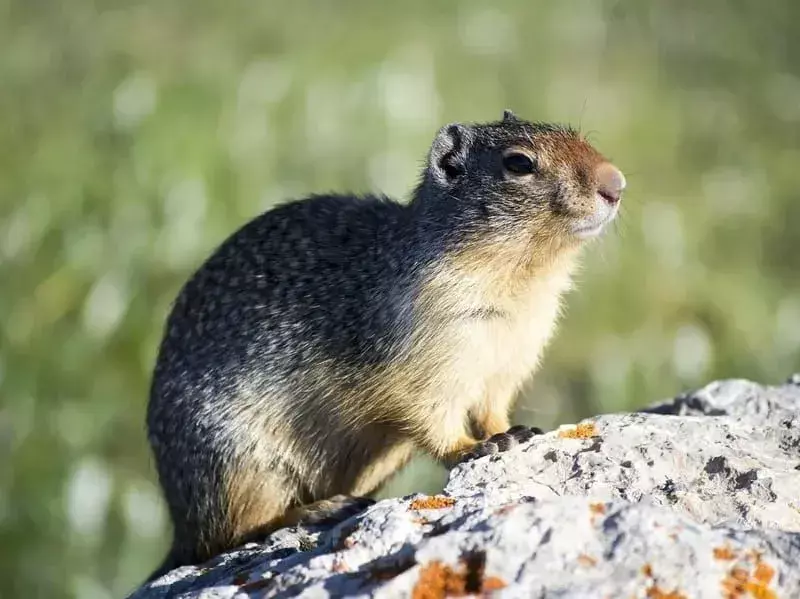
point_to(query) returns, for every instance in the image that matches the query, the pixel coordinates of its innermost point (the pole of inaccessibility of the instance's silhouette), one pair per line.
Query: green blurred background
(134, 136)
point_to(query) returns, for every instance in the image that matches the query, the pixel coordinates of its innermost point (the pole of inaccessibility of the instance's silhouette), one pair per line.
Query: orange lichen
(733, 583)
(586, 560)
(656, 593)
(764, 573)
(492, 583)
(760, 591)
(585, 430)
(724, 553)
(435, 502)
(438, 580)
(739, 582)
(597, 508)
(758, 586)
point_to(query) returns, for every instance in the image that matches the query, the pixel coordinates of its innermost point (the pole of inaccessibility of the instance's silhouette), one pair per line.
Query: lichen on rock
(696, 497)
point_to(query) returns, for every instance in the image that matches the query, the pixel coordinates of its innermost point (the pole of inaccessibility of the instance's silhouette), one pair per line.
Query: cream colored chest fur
(495, 355)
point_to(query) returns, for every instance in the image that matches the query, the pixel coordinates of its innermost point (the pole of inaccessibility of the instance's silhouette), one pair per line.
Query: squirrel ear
(509, 117)
(448, 155)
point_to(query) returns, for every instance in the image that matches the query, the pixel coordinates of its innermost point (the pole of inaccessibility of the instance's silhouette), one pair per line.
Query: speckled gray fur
(692, 496)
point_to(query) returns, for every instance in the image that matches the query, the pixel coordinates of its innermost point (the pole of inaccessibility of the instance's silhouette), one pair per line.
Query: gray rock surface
(697, 497)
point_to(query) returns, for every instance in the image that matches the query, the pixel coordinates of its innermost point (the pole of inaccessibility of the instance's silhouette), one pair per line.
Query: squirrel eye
(518, 163)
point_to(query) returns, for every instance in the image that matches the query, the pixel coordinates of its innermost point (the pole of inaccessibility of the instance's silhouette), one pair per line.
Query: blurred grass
(135, 136)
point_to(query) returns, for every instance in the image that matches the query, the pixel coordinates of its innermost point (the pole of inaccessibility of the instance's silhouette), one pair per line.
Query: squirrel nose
(610, 182)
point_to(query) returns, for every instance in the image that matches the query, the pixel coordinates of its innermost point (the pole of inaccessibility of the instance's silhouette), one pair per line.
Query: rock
(697, 497)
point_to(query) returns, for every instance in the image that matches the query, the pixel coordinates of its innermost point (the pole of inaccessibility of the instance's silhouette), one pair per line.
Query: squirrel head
(513, 178)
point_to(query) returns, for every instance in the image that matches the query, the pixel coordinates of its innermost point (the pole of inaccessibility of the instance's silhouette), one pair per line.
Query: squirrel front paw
(501, 442)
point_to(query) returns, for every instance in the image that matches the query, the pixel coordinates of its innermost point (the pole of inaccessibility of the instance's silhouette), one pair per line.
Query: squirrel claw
(502, 442)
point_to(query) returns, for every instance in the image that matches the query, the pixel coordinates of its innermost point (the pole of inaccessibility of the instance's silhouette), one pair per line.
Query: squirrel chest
(498, 339)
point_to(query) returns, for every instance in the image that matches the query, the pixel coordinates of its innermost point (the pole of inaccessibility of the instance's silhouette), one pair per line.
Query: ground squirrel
(330, 336)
